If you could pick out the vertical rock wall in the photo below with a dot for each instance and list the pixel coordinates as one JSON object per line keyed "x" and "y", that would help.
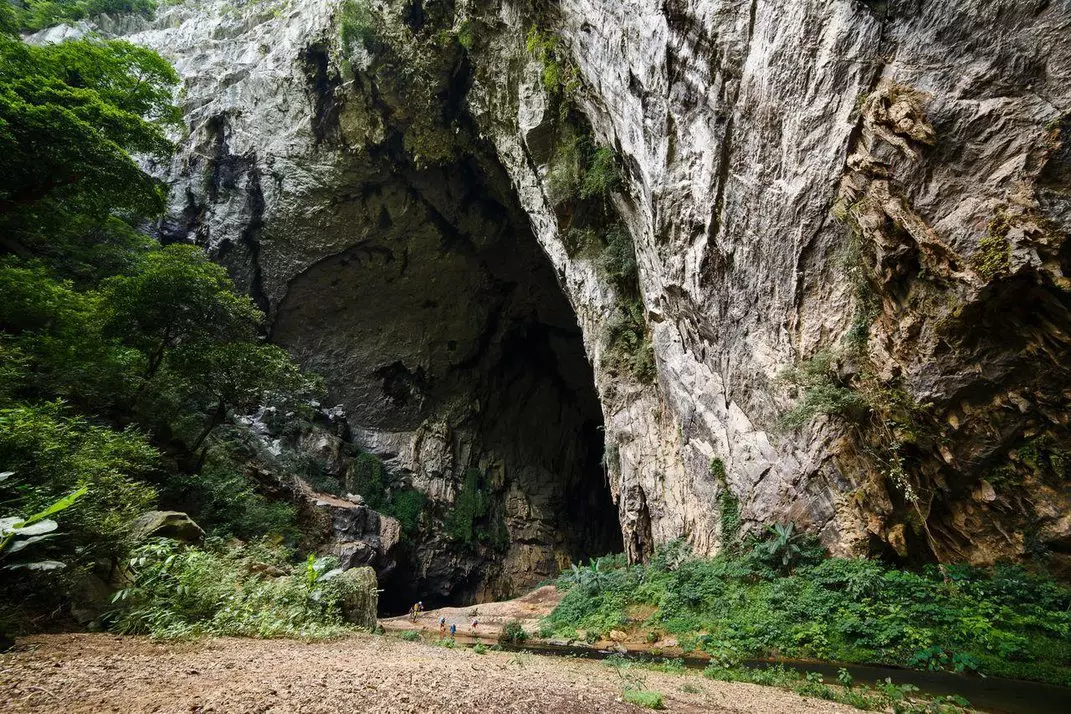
{"x": 873, "y": 194}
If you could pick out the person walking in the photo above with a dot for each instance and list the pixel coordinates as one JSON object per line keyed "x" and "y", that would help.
{"x": 442, "y": 627}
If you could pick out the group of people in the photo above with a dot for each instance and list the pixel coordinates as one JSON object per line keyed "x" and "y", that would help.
{"x": 417, "y": 608}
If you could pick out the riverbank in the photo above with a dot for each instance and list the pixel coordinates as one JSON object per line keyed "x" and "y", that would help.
{"x": 84, "y": 673}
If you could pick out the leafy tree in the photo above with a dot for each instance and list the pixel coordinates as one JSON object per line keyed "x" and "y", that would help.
{"x": 71, "y": 115}
{"x": 54, "y": 332}
{"x": 236, "y": 375}
{"x": 176, "y": 296}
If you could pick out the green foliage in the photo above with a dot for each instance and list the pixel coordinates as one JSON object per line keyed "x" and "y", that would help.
{"x": 643, "y": 698}
{"x": 628, "y": 346}
{"x": 73, "y": 113}
{"x": 1003, "y": 621}
{"x": 580, "y": 170}
{"x": 410, "y": 635}
{"x": 227, "y": 504}
{"x": 110, "y": 344}
{"x": 513, "y": 633}
{"x": 729, "y": 516}
{"x": 18, "y": 533}
{"x": 885, "y": 696}
{"x": 601, "y": 177}
{"x": 358, "y": 28}
{"x": 177, "y": 298}
{"x": 784, "y": 549}
{"x": 472, "y": 519}
{"x": 993, "y": 259}
{"x": 466, "y": 34}
{"x": 183, "y": 592}
{"x": 56, "y": 453}
{"x": 39, "y": 14}
{"x": 560, "y": 77}
{"x": 822, "y": 392}
{"x": 369, "y": 478}
{"x": 479, "y": 648}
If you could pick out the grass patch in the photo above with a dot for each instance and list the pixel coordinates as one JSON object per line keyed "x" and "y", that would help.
{"x": 410, "y": 635}
{"x": 643, "y": 698}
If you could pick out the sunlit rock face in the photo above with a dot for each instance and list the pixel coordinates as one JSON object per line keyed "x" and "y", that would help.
{"x": 872, "y": 194}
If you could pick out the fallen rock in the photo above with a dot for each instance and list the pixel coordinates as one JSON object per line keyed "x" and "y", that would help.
{"x": 360, "y": 601}
{"x": 167, "y": 524}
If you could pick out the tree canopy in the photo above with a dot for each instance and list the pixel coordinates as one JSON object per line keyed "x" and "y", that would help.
{"x": 120, "y": 359}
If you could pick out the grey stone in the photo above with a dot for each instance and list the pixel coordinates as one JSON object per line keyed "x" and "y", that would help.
{"x": 167, "y": 524}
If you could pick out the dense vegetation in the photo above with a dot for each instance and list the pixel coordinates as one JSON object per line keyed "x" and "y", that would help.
{"x": 782, "y": 598}
{"x": 121, "y": 361}
{"x": 179, "y": 592}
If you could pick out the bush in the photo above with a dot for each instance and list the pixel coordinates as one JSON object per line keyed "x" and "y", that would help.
{"x": 183, "y": 591}
{"x": 821, "y": 391}
{"x": 379, "y": 489}
{"x": 472, "y": 520}
{"x": 45, "y": 13}
{"x": 513, "y": 633}
{"x": 601, "y": 176}
{"x": 225, "y": 503}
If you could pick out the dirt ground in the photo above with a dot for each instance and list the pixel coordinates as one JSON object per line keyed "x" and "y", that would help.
{"x": 78, "y": 673}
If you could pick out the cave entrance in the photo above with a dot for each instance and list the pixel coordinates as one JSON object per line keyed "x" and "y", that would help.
{"x": 442, "y": 330}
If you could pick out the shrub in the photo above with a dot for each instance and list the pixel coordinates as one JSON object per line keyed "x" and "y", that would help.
{"x": 643, "y": 698}
{"x": 225, "y": 503}
{"x": 410, "y": 635}
{"x": 601, "y": 176}
{"x": 821, "y": 391}
{"x": 513, "y": 633}
{"x": 183, "y": 591}
{"x": 472, "y": 520}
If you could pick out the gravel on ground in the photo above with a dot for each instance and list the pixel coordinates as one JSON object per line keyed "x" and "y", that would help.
{"x": 83, "y": 673}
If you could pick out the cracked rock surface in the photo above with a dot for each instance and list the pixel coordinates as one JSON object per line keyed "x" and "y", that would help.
{"x": 882, "y": 185}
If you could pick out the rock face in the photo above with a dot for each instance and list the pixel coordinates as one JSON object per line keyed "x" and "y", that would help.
{"x": 849, "y": 222}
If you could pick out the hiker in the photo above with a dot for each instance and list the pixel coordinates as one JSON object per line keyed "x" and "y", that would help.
{"x": 442, "y": 626}
{"x": 453, "y": 631}
{"x": 474, "y": 623}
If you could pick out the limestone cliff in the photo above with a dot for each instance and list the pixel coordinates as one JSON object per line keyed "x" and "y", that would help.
{"x": 849, "y": 221}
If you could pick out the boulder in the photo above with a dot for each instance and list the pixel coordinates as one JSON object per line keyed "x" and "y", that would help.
{"x": 360, "y": 599}
{"x": 167, "y": 524}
